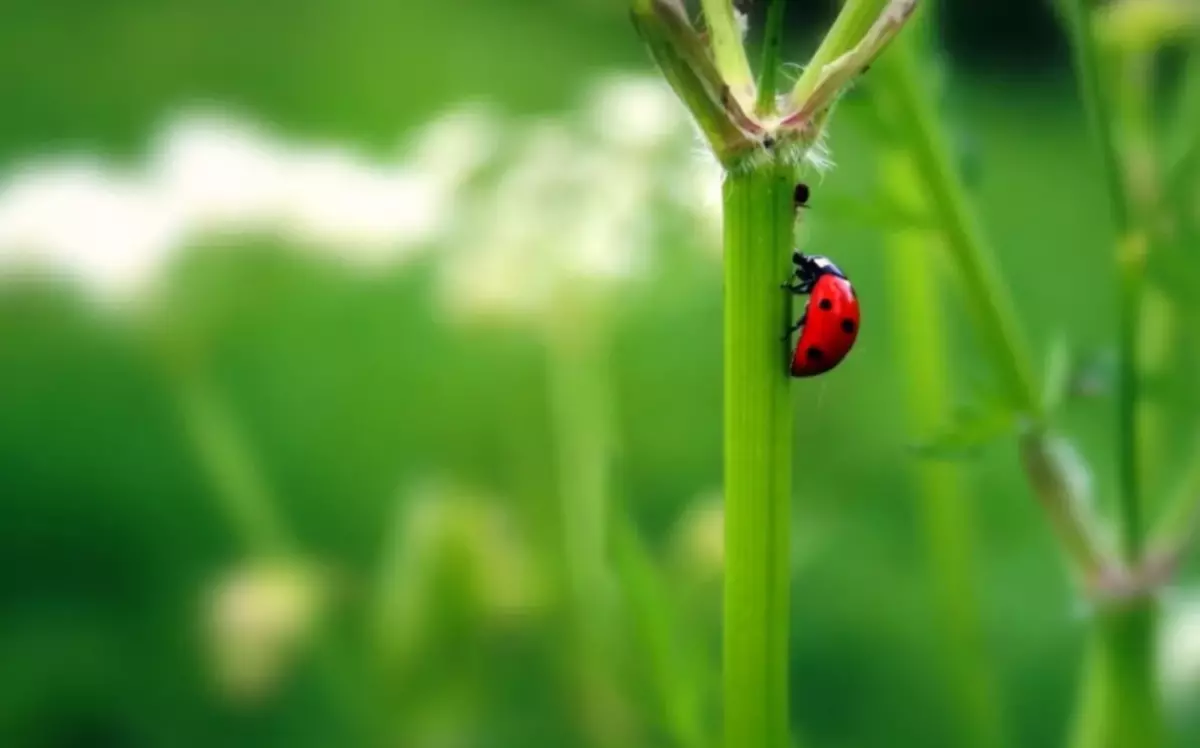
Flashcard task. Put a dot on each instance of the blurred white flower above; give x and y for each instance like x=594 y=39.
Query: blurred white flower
x=579 y=204
x=334 y=199
x=1179 y=646
x=611 y=223
x=640 y=112
x=210 y=173
x=451 y=148
x=218 y=172
x=696 y=187
x=503 y=261
x=575 y=202
x=81 y=220
x=698 y=540
x=257 y=618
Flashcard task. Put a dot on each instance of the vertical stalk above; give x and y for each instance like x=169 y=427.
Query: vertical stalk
x=665 y=645
x=769 y=71
x=239 y=486
x=1132 y=109
x=758 y=445
x=989 y=303
x=1120 y=706
x=944 y=508
x=578 y=408
x=577 y=383
x=251 y=508
x=1119 y=702
x=1131 y=247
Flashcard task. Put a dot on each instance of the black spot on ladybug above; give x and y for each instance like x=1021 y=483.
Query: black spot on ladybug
x=815 y=353
x=848 y=325
x=826 y=304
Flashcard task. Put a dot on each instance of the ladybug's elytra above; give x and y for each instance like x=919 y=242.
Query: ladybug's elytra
x=829 y=325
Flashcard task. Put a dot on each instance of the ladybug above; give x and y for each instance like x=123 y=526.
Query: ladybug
x=829 y=325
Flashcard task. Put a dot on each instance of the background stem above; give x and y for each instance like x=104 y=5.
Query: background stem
x=944 y=507
x=245 y=499
x=1120 y=701
x=1120 y=704
x=251 y=507
x=1131 y=247
x=758 y=447
x=579 y=407
x=988 y=300
x=577 y=381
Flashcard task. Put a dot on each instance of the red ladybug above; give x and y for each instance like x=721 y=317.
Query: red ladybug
x=830 y=321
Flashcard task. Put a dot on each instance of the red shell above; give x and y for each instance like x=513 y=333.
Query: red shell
x=831 y=328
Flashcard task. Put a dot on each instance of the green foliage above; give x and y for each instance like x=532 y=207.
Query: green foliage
x=347 y=393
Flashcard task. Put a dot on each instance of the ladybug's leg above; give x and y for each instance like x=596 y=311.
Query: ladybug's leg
x=800 y=289
x=796 y=327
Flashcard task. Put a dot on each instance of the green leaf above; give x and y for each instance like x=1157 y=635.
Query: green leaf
x=973 y=428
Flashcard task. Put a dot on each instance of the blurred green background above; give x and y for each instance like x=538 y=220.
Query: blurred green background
x=286 y=500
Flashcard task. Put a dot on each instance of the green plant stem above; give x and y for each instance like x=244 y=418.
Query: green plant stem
x=668 y=648
x=913 y=114
x=577 y=381
x=727 y=49
x=758 y=445
x=851 y=24
x=1078 y=17
x=245 y=499
x=690 y=70
x=768 y=74
x=251 y=508
x=1179 y=518
x=1184 y=153
x=988 y=299
x=1131 y=251
x=944 y=506
x=1120 y=704
x=579 y=400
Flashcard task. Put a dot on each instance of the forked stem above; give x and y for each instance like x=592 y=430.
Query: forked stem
x=760 y=158
x=822 y=83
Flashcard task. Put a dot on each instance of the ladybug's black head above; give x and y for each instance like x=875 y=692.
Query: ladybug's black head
x=814 y=266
